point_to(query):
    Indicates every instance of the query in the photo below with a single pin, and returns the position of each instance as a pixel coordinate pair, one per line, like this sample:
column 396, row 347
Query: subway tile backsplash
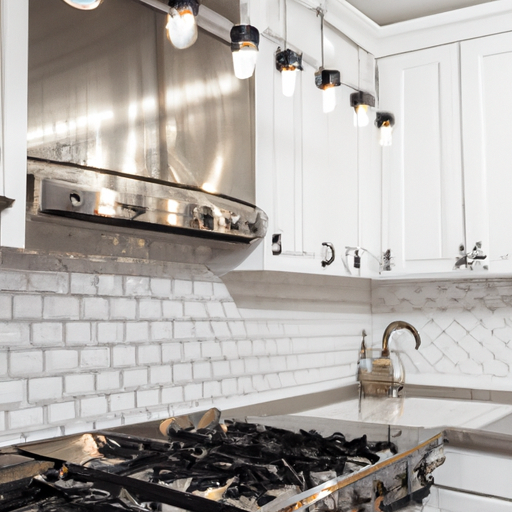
column 85, row 350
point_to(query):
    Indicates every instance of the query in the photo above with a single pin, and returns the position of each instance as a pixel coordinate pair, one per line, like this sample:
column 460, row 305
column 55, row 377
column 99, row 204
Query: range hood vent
column 145, row 203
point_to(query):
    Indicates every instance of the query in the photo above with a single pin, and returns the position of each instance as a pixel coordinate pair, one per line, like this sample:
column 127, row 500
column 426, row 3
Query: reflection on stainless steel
column 150, row 204
column 107, row 90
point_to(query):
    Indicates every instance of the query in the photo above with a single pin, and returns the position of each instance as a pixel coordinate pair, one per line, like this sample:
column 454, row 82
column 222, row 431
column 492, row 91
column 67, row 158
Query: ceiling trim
column 448, row 27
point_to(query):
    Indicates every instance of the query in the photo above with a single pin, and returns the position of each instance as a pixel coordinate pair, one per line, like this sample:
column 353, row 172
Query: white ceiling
column 393, row 11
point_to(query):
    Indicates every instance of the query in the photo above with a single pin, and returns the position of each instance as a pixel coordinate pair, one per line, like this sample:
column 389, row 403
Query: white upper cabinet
column 422, row 182
column 308, row 166
column 486, row 71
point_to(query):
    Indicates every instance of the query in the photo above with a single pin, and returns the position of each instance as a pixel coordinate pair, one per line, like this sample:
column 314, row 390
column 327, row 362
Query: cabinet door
column 486, row 73
column 422, row 184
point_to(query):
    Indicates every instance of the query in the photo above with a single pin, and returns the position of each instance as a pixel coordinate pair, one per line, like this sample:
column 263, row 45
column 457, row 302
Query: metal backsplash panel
column 108, row 90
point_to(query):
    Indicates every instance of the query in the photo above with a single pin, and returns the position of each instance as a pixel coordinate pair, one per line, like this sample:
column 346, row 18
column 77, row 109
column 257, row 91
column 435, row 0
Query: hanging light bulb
column 361, row 101
column 85, row 5
column 326, row 79
column 181, row 23
column 288, row 63
column 385, row 122
column 245, row 40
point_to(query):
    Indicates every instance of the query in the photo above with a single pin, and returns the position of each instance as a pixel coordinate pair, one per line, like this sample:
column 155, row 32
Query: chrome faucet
column 395, row 326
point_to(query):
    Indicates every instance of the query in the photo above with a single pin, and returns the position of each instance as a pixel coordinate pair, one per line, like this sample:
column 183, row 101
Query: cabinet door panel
column 422, row 184
column 486, row 65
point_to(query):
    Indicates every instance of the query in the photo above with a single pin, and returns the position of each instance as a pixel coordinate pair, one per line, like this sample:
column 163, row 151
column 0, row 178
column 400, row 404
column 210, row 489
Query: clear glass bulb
column 361, row 116
column 288, row 79
column 182, row 29
column 244, row 61
column 85, row 5
column 329, row 99
column 386, row 135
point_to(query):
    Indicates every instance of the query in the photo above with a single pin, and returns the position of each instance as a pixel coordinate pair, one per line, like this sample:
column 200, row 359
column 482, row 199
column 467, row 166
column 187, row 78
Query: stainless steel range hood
column 127, row 131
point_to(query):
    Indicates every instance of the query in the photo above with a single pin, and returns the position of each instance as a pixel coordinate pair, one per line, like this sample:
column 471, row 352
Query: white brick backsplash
column 193, row 392
column 215, row 309
column 108, row 381
column 79, row 384
column 135, row 378
column 95, row 358
column 110, row 285
column 58, row 307
column 12, row 392
column 123, row 309
column 25, row 418
column 160, row 287
column 112, row 332
column 48, row 282
column 148, row 398
column 137, row 332
column 211, row 349
column 3, row 363
column 95, row 308
column 122, row 401
column 61, row 360
column 84, row 284
column 212, row 389
column 203, row 329
column 93, row 407
column 201, row 370
column 61, row 412
column 231, row 310
column 15, row 281
column 78, row 333
column 496, row 368
column 183, row 341
column 47, row 388
column 220, row 329
column 161, row 331
column 160, row 375
column 203, row 288
column 6, row 307
column 182, row 288
column 123, row 356
column 195, row 310
column 192, row 350
column 171, row 352
column 237, row 329
column 172, row 309
column 172, row 395
column 28, row 306
column 229, row 349
column 220, row 369
column 184, row 330
column 149, row 354
column 137, row 286
column 182, row 372
column 150, row 309
column 14, row 334
column 26, row 363
column 237, row 367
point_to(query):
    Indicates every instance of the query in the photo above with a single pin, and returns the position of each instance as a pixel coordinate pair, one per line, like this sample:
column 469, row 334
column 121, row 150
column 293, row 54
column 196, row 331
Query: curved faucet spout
column 395, row 326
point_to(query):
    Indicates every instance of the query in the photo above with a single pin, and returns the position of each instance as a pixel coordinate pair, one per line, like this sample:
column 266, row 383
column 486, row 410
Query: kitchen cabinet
column 308, row 170
column 422, row 215
column 486, row 73
column 446, row 179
